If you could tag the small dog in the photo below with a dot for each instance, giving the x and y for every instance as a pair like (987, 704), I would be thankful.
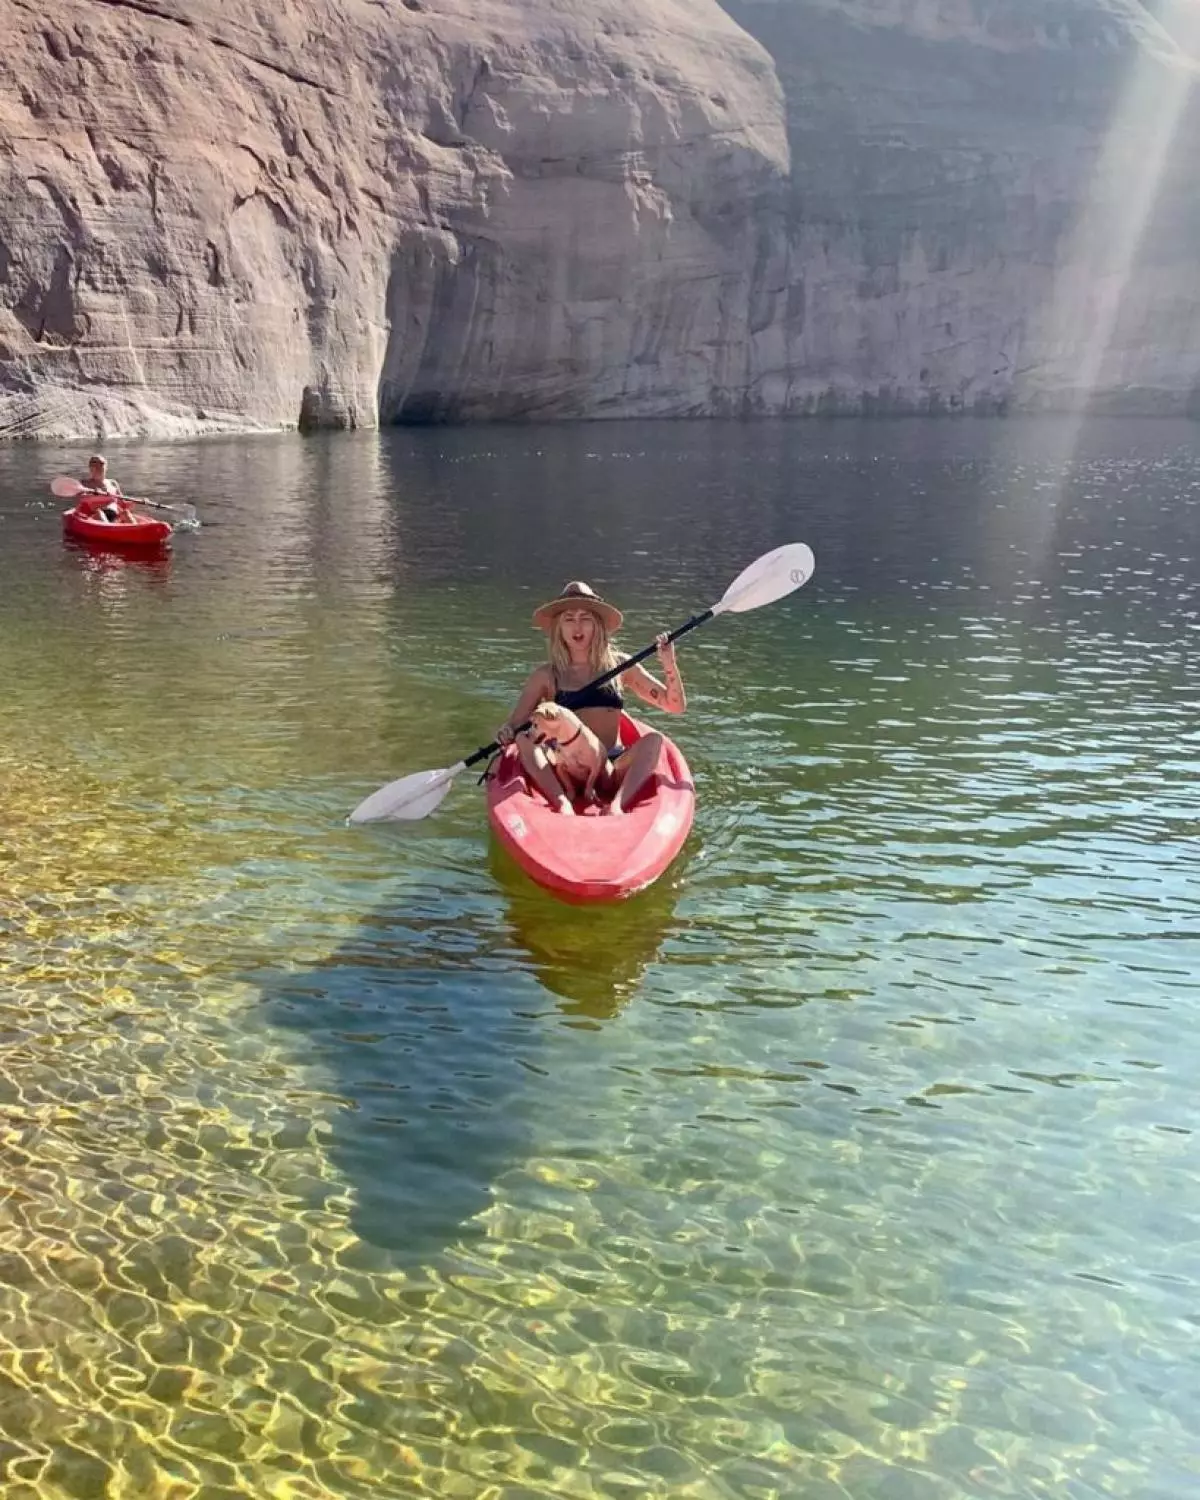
(576, 754)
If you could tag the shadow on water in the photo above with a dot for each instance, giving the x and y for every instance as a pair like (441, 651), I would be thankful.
(431, 1028)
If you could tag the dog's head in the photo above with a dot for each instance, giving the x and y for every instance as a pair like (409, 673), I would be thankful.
(551, 722)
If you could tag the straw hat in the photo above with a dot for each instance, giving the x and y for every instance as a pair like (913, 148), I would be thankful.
(578, 595)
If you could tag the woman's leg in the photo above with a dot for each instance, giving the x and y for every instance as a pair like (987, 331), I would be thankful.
(634, 769)
(542, 774)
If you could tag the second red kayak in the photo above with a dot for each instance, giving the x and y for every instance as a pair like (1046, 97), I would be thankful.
(139, 532)
(593, 856)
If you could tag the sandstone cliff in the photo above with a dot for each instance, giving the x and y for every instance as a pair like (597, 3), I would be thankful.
(338, 212)
(327, 210)
(991, 204)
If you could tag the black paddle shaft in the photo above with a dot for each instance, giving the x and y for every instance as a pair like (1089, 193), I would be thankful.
(485, 752)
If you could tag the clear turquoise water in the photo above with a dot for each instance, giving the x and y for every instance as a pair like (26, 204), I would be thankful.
(856, 1158)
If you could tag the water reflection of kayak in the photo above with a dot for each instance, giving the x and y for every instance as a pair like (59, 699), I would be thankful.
(594, 959)
(96, 558)
(594, 857)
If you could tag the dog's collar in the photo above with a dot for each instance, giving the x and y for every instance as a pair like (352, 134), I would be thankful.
(562, 744)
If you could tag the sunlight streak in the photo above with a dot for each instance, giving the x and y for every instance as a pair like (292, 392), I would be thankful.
(1106, 331)
(1092, 284)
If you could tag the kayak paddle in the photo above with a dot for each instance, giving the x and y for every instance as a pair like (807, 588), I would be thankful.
(71, 489)
(773, 576)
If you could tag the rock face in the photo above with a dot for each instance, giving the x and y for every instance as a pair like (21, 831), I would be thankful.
(992, 204)
(338, 212)
(334, 211)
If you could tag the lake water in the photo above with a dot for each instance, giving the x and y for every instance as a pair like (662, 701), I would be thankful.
(857, 1158)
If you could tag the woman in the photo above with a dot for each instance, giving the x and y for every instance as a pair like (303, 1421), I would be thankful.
(102, 499)
(579, 625)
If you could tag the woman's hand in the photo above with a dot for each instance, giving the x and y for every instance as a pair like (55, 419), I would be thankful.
(666, 651)
(506, 734)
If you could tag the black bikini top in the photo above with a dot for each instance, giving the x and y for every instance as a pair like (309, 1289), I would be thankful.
(606, 696)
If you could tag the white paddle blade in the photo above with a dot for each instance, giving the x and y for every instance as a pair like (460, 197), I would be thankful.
(771, 576)
(409, 799)
(64, 488)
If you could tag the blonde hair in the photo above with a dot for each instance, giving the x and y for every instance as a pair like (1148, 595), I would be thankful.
(602, 657)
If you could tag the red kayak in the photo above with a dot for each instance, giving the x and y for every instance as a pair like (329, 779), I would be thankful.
(141, 531)
(594, 857)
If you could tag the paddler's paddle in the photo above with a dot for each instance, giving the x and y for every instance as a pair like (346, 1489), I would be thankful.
(774, 576)
(71, 489)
